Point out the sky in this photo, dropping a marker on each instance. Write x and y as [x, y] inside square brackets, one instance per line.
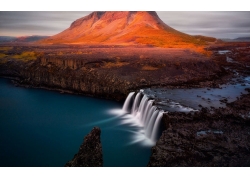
[219, 24]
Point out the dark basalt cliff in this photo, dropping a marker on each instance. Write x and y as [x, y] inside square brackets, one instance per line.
[66, 78]
[90, 152]
[106, 72]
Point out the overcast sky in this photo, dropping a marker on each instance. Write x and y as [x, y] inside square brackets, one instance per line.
[214, 23]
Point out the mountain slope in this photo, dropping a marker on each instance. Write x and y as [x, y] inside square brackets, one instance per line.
[124, 28]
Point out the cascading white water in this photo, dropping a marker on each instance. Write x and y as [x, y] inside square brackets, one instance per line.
[156, 126]
[149, 128]
[149, 114]
[136, 103]
[127, 102]
[146, 114]
[142, 108]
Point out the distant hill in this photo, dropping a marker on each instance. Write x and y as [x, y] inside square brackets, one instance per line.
[205, 38]
[239, 39]
[125, 28]
[21, 38]
[243, 39]
[7, 38]
[30, 38]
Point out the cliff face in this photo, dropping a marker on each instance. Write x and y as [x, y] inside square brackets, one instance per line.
[90, 152]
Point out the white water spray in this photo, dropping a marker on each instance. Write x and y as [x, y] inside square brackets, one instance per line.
[156, 126]
[136, 103]
[127, 102]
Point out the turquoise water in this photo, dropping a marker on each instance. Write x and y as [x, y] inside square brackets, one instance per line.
[40, 128]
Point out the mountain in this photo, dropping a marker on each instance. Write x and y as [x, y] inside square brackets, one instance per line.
[243, 38]
[124, 28]
[239, 39]
[30, 38]
[7, 38]
[22, 38]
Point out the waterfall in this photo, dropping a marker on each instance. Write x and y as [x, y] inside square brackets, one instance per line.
[156, 126]
[142, 108]
[136, 103]
[147, 109]
[149, 114]
[149, 128]
[146, 114]
[127, 102]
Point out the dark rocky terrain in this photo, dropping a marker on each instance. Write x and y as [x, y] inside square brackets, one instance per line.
[211, 137]
[90, 151]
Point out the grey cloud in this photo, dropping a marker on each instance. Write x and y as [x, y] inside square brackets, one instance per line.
[217, 24]
[18, 23]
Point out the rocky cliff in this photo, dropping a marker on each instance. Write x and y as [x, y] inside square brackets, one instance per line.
[105, 72]
[90, 152]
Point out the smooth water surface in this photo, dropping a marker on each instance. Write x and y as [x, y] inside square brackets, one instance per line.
[44, 128]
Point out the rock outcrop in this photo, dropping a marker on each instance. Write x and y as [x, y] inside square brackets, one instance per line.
[90, 152]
